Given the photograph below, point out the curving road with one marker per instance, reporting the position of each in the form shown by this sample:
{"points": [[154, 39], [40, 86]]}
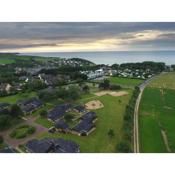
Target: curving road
{"points": [[136, 113]]}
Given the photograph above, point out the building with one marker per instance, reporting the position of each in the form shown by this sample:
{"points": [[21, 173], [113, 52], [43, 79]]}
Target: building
{"points": [[8, 150], [4, 106], [61, 126], [79, 109], [39, 146], [86, 125], [5, 87], [29, 105], [52, 146], [58, 112]]}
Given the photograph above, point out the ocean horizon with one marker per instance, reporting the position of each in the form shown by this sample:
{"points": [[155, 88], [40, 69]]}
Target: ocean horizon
{"points": [[111, 57]]}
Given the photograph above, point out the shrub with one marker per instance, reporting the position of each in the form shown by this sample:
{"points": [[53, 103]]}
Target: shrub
{"points": [[123, 147], [31, 130]]}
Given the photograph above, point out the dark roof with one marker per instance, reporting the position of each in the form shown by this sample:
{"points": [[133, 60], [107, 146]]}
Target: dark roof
{"points": [[83, 127], [7, 150], [65, 146], [39, 146], [80, 108], [61, 124], [58, 112], [52, 145], [3, 106], [29, 105], [89, 117], [86, 123]]}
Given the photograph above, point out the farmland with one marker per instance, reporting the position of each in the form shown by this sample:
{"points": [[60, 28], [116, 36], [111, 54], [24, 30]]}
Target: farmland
{"points": [[109, 117], [157, 115]]}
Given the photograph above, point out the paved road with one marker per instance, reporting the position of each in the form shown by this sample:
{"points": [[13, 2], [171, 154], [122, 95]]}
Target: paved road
{"points": [[136, 111]]}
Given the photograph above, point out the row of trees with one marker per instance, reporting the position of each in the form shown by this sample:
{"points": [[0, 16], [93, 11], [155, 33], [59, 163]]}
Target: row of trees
{"points": [[126, 144], [153, 66]]}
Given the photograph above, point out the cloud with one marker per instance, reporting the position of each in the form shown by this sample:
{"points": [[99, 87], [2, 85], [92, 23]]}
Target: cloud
{"points": [[29, 37]]}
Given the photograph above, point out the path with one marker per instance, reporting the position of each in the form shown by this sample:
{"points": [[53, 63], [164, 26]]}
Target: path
{"points": [[16, 142], [136, 113]]}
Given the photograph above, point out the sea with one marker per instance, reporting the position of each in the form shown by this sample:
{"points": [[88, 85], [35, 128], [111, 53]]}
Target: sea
{"points": [[111, 57]]}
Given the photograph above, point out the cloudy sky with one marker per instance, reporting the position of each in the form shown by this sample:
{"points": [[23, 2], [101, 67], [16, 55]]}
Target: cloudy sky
{"points": [[68, 37]]}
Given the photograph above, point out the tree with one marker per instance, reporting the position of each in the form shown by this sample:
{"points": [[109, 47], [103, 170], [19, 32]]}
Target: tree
{"points": [[105, 84], [85, 89], [4, 122], [43, 113], [15, 111], [123, 147], [1, 139], [68, 117], [111, 133]]}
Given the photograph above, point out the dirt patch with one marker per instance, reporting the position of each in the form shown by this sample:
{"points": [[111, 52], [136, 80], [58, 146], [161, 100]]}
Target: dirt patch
{"points": [[112, 93], [94, 104]]}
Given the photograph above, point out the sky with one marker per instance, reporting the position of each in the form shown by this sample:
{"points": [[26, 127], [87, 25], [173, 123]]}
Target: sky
{"points": [[86, 36]]}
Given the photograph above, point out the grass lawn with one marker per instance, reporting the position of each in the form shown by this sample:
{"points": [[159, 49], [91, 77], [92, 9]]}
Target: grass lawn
{"points": [[44, 122], [6, 61], [125, 82], [109, 117], [156, 113], [14, 98]]}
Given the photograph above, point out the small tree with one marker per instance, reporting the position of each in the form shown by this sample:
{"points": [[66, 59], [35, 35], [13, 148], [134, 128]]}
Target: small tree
{"points": [[15, 111], [85, 89], [111, 133], [43, 113]]}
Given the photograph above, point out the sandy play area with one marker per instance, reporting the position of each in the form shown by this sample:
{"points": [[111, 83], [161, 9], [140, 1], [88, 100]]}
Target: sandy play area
{"points": [[94, 104], [112, 93]]}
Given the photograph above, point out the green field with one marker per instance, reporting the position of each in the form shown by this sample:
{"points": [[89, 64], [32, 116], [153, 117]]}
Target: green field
{"points": [[6, 61], [156, 114], [165, 81], [14, 98], [109, 117], [125, 82]]}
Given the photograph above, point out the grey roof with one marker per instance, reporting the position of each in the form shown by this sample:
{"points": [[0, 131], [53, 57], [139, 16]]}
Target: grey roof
{"points": [[52, 146], [39, 146], [65, 146], [62, 125], [58, 112]]}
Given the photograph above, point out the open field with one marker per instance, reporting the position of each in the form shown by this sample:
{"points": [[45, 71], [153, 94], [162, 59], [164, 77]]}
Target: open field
{"points": [[109, 117], [6, 61], [157, 114], [165, 81], [125, 82], [14, 98]]}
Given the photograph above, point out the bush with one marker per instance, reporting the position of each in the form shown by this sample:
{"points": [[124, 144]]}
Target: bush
{"points": [[123, 147], [31, 130], [115, 87], [22, 131], [43, 113]]}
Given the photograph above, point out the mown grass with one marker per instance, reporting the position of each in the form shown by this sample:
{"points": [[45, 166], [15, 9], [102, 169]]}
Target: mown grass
{"points": [[109, 117], [125, 82]]}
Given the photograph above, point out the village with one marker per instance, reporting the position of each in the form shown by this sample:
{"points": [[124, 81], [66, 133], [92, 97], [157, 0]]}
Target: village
{"points": [[59, 105]]}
